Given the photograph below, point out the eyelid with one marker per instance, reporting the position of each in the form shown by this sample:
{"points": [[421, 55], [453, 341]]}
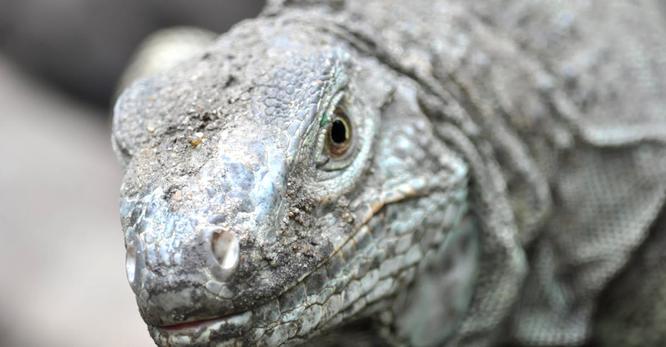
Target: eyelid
{"points": [[330, 109]]}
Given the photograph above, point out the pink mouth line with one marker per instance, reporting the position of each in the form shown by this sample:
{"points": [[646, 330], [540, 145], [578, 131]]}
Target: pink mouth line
{"points": [[193, 324], [233, 320]]}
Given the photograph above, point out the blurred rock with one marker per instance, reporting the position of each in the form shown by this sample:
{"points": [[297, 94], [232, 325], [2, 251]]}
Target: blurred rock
{"points": [[82, 46], [163, 50], [62, 277]]}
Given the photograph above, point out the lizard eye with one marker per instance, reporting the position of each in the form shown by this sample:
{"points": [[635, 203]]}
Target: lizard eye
{"points": [[339, 133]]}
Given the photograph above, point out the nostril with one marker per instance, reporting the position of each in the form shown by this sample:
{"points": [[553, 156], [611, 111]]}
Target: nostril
{"points": [[226, 250], [130, 264]]}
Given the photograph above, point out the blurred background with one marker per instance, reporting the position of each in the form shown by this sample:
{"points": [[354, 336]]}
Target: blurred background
{"points": [[62, 278]]}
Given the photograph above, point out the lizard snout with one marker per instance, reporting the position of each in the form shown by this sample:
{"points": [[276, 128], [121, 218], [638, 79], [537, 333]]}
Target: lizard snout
{"points": [[206, 246], [222, 258], [180, 268]]}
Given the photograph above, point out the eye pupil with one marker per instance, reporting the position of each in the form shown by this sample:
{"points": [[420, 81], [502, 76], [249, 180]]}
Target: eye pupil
{"points": [[339, 132]]}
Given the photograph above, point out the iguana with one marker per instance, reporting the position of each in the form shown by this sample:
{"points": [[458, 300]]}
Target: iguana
{"points": [[455, 173]]}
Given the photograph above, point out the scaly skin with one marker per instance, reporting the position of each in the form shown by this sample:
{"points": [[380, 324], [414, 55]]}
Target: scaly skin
{"points": [[245, 225], [314, 249]]}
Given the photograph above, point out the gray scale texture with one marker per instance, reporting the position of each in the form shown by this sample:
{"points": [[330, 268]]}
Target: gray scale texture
{"points": [[505, 166]]}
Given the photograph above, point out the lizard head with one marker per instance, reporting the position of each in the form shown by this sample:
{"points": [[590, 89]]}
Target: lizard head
{"points": [[276, 184]]}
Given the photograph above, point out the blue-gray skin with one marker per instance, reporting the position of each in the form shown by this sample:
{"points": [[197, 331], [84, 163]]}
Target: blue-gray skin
{"points": [[235, 210], [331, 161]]}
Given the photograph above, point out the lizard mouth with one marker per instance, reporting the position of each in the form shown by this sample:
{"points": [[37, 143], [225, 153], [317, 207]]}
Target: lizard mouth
{"points": [[197, 330], [237, 320], [193, 325]]}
